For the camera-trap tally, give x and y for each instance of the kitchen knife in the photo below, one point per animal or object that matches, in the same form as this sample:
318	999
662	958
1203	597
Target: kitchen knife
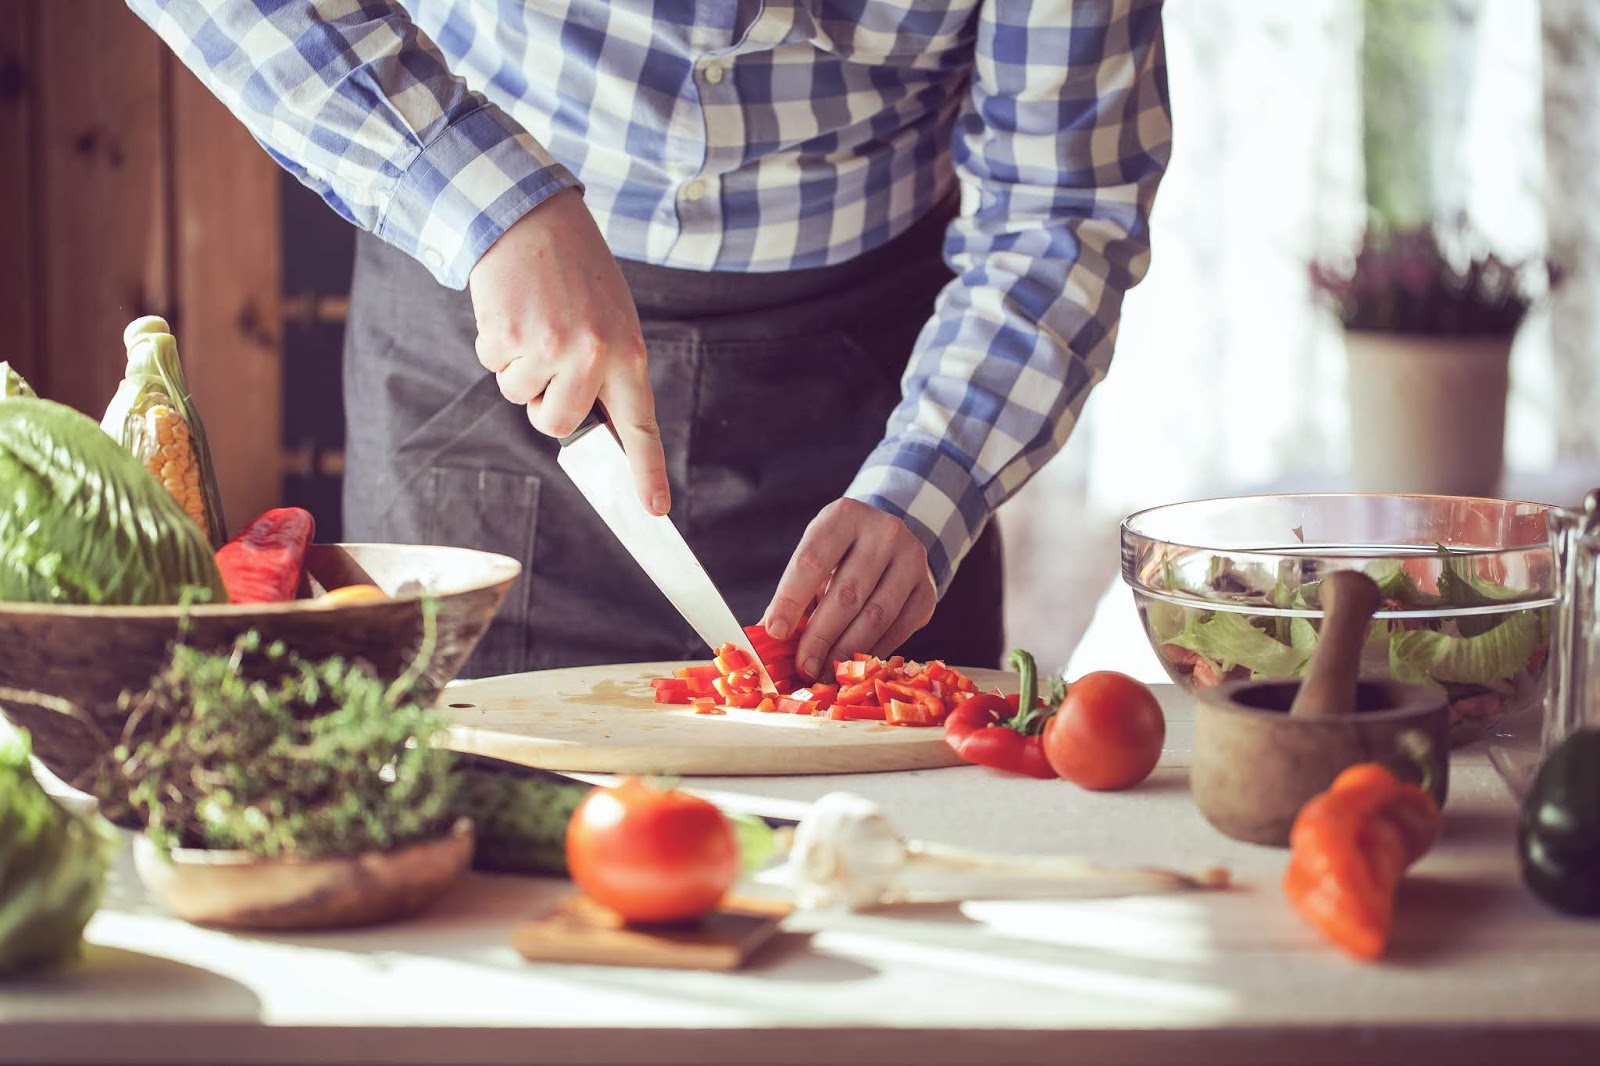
593	458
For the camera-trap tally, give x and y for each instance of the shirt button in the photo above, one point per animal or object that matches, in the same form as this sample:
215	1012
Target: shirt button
432	257
694	190
712	71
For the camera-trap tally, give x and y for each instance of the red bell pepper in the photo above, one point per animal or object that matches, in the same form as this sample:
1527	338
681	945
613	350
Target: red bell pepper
262	564
993	730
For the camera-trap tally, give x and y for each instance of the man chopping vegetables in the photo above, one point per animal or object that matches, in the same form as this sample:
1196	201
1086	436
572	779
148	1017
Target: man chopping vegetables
841	274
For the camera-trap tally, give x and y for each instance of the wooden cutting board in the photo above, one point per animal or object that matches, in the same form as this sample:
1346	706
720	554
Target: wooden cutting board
580	930
603	719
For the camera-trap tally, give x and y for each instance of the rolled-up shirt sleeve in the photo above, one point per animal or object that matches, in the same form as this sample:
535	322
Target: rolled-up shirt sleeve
1062	141
358	104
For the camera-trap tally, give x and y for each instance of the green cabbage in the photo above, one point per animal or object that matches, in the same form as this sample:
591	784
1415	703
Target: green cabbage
52	866
82	522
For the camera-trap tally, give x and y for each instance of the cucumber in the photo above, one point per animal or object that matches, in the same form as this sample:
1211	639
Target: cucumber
519	815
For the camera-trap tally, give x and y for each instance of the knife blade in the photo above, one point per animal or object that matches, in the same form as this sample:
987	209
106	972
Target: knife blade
593	458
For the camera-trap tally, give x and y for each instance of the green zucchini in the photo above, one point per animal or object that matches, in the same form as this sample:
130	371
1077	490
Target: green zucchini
1558	834
520	817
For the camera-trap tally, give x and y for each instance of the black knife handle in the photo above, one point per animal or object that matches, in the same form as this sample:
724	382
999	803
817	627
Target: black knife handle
595	417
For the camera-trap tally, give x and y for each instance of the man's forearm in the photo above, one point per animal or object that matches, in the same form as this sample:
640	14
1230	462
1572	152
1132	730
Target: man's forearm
1064	139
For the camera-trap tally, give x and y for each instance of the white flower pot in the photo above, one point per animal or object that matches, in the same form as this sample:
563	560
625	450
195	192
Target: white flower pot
1427	414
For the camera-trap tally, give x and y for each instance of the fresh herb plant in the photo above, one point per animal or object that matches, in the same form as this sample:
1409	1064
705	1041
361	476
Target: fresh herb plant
261	750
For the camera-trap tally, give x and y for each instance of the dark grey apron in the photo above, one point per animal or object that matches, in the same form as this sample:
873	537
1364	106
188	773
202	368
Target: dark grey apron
771	389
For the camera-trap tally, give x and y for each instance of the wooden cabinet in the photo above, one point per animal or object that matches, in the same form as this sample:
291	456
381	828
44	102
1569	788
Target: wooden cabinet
127	189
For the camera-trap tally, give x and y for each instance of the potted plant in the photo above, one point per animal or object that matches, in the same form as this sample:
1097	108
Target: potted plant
277	793
1429	313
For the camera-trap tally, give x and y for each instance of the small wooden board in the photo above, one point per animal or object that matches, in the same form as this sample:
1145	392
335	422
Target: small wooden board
580	930
604	719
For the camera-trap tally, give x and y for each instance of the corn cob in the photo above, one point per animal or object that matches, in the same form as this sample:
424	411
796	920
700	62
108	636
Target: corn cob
173	461
155	419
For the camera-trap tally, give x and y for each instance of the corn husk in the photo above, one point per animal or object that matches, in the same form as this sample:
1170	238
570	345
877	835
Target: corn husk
153	381
85	524
13	383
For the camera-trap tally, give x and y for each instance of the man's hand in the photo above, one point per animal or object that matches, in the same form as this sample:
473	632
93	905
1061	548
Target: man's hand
873	578
557	328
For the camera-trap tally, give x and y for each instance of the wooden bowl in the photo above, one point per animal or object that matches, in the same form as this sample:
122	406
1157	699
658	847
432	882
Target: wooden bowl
1255	765
236	890
89	655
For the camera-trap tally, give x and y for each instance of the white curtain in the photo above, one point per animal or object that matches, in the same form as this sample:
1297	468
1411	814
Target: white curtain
1227	378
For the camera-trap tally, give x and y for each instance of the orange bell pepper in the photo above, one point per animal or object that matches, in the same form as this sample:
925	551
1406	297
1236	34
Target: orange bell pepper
1349	848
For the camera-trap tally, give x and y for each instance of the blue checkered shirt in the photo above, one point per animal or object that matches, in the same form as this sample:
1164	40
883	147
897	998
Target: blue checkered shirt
756	135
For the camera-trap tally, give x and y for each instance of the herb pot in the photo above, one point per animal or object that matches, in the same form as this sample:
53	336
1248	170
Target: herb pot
1427	414
238	890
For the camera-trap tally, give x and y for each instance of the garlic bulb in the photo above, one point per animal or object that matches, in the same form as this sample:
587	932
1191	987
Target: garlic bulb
845	853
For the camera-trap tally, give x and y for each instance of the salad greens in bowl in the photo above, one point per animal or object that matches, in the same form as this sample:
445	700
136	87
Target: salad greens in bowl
1229	589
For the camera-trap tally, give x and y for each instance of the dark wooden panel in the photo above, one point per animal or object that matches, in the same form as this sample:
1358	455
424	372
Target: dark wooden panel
225	192
19	93
102	222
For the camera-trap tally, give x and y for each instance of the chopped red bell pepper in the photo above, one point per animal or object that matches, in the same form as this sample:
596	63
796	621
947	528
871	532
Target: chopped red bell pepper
671	690
731	659
866	687
855	670
864	712
858	693
790	705
992	730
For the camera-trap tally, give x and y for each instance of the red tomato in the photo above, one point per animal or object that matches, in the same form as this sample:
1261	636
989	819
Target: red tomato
1107	734
651	854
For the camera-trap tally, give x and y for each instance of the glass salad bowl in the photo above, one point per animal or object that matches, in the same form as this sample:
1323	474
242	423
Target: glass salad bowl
1228	589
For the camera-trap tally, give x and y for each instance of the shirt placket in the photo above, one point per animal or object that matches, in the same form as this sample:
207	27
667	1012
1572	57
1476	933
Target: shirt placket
721	117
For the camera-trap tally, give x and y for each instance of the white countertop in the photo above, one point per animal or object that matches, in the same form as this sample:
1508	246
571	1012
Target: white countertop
1479	971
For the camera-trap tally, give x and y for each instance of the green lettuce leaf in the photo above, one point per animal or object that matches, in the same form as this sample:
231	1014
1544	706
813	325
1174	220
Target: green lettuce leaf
82	522
1460	587
1165	619
1394	583
1488	658
1230	640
